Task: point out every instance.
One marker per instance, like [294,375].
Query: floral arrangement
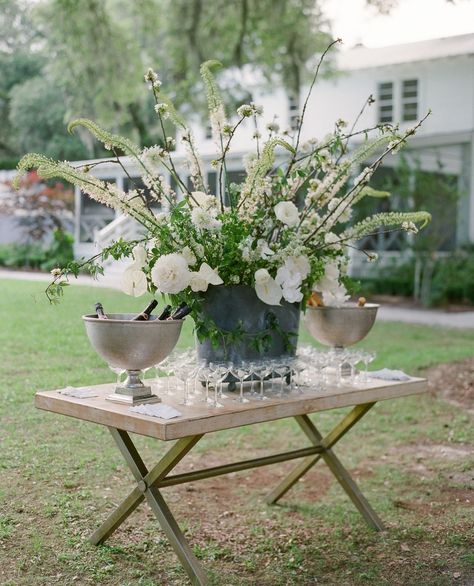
[284,230]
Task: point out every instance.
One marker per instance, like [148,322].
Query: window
[409,100]
[131,183]
[294,111]
[398,101]
[385,100]
[208,131]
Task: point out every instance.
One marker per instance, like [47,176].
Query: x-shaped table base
[150,482]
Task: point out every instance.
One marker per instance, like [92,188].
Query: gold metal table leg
[145,489]
[331,439]
[341,474]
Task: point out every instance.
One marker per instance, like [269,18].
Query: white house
[406,81]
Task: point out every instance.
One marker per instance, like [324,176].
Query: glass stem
[185,392]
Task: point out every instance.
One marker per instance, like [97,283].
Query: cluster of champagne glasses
[192,381]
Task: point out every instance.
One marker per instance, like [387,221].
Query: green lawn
[59,477]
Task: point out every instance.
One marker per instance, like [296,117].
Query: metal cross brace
[149,482]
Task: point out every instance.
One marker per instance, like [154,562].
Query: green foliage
[46,73]
[452,279]
[32,255]
[37,113]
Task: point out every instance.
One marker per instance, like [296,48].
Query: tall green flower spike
[363,152]
[264,164]
[214,98]
[108,139]
[387,219]
[368,191]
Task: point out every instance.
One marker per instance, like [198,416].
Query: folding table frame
[196,422]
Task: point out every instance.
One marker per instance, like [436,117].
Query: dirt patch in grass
[454,382]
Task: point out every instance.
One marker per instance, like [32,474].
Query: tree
[37,117]
[118,40]
[87,59]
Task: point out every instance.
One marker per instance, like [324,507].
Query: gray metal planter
[234,307]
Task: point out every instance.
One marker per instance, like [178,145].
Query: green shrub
[452,280]
[33,255]
[393,280]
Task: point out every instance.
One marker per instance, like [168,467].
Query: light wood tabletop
[200,418]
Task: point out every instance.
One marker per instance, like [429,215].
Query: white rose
[302,263]
[134,281]
[171,273]
[287,213]
[336,297]
[266,288]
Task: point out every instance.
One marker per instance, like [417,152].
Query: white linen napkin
[387,374]
[78,393]
[157,410]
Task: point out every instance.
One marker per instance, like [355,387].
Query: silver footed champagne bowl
[342,326]
[133,346]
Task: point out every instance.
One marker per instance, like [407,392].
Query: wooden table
[197,420]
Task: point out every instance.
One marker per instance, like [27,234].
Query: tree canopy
[63,59]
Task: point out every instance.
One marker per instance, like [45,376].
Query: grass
[59,477]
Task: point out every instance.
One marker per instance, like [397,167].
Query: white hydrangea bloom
[266,288]
[171,273]
[204,220]
[287,213]
[332,240]
[203,200]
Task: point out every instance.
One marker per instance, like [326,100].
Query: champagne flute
[216,374]
[262,370]
[240,372]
